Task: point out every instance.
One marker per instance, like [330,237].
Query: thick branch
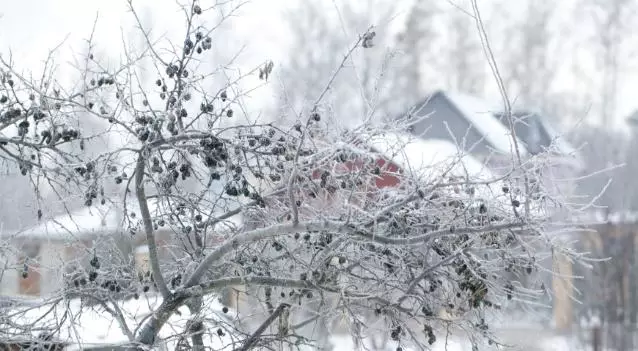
[335,227]
[256,235]
[253,338]
[148,227]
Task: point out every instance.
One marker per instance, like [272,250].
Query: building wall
[608,284]
[10,274]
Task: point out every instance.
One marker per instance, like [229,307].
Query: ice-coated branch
[148,227]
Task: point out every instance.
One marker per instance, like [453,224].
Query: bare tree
[362,87]
[466,65]
[415,43]
[380,259]
[611,21]
[528,40]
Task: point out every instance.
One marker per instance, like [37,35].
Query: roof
[85,326]
[101,220]
[86,222]
[429,159]
[531,125]
[534,133]
[481,115]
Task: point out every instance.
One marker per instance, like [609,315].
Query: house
[44,259]
[481,127]
[40,258]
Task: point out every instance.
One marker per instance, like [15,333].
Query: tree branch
[336,227]
[253,338]
[148,227]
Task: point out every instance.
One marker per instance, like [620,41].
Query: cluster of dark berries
[146,279]
[430,333]
[173,70]
[103,81]
[25,271]
[120,178]
[395,333]
[11,114]
[176,281]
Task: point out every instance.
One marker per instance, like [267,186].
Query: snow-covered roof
[561,145]
[486,117]
[142,249]
[427,158]
[86,222]
[100,220]
[480,114]
[83,326]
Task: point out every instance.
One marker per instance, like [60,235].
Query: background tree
[362,89]
[465,58]
[416,43]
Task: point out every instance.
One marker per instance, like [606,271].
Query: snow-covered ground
[82,326]
[532,342]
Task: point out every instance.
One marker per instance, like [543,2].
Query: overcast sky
[30,28]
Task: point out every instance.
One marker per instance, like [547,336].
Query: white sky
[30,28]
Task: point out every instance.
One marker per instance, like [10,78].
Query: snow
[100,220]
[600,216]
[142,249]
[556,343]
[84,326]
[345,343]
[427,158]
[90,221]
[480,114]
